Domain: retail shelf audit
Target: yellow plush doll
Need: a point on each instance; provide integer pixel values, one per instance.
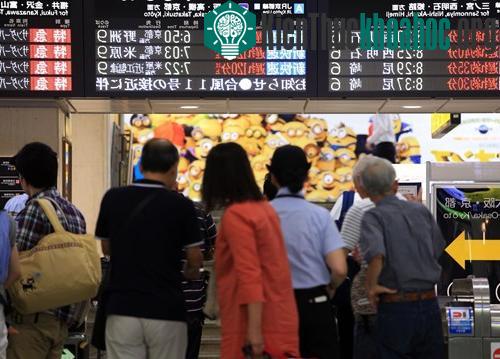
(203, 147)
(207, 128)
(294, 132)
(195, 170)
(318, 128)
(342, 137)
(345, 157)
(194, 192)
(326, 160)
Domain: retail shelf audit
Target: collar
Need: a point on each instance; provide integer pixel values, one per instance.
(284, 191)
(148, 183)
(49, 192)
(389, 199)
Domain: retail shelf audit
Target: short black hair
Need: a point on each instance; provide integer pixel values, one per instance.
(228, 177)
(159, 155)
(270, 190)
(290, 167)
(36, 162)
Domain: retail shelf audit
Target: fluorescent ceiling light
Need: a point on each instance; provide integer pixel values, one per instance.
(189, 107)
(411, 106)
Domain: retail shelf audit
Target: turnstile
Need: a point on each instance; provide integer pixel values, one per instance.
(471, 323)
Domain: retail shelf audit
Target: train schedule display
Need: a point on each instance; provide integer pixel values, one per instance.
(457, 71)
(41, 48)
(156, 48)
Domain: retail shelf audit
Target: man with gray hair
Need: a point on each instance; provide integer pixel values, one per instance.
(401, 242)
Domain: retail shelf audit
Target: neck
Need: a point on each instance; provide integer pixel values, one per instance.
(377, 198)
(31, 191)
(158, 177)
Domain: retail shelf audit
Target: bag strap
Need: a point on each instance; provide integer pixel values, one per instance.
(50, 212)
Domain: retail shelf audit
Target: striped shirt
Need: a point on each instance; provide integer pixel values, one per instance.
(351, 228)
(195, 290)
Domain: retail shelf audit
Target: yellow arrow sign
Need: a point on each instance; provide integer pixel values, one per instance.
(462, 250)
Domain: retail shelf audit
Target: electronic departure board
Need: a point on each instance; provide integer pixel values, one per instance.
(41, 48)
(457, 71)
(155, 48)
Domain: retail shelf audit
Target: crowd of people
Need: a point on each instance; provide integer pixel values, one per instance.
(279, 260)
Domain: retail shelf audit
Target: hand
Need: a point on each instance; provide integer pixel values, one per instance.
(256, 341)
(331, 288)
(375, 292)
(356, 254)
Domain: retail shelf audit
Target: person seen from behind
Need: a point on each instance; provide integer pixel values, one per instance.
(315, 253)
(145, 227)
(42, 335)
(401, 242)
(254, 287)
(10, 271)
(382, 140)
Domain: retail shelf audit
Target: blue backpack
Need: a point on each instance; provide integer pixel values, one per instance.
(5, 246)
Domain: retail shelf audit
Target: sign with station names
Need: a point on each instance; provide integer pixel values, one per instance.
(10, 185)
(156, 48)
(41, 48)
(455, 72)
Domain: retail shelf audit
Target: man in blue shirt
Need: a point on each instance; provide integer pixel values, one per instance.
(315, 253)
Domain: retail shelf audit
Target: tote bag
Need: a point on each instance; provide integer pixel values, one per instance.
(62, 269)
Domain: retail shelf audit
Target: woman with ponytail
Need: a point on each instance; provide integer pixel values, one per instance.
(315, 253)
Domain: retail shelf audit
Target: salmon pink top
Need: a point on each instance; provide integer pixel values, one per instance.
(252, 266)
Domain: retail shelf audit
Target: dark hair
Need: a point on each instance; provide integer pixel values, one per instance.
(37, 164)
(228, 177)
(290, 167)
(159, 155)
(270, 190)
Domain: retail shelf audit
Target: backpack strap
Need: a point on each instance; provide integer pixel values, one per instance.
(50, 212)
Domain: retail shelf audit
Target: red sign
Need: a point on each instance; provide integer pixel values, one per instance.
(42, 83)
(57, 52)
(57, 36)
(496, 354)
(50, 68)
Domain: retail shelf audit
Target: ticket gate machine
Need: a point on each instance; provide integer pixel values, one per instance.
(471, 323)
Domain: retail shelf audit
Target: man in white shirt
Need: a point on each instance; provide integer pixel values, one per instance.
(16, 204)
(382, 140)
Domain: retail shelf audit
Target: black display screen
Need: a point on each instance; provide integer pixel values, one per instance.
(457, 71)
(10, 184)
(41, 48)
(469, 218)
(156, 48)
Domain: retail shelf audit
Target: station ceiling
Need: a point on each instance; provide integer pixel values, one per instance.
(117, 106)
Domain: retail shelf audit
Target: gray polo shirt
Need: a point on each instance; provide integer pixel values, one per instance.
(408, 237)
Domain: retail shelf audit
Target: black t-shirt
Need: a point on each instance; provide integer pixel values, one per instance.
(146, 249)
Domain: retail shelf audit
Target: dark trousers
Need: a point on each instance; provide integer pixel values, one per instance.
(365, 337)
(410, 330)
(195, 328)
(385, 150)
(317, 329)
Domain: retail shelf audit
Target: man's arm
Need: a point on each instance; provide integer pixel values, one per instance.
(194, 261)
(373, 273)
(14, 268)
(373, 248)
(336, 261)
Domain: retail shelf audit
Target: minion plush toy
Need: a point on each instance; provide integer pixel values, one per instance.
(318, 128)
(259, 168)
(342, 136)
(194, 191)
(326, 160)
(273, 141)
(345, 157)
(195, 171)
(140, 121)
(255, 139)
(408, 150)
(203, 147)
(294, 132)
(343, 180)
(207, 127)
(325, 188)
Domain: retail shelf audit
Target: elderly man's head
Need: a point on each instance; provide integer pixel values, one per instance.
(374, 177)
